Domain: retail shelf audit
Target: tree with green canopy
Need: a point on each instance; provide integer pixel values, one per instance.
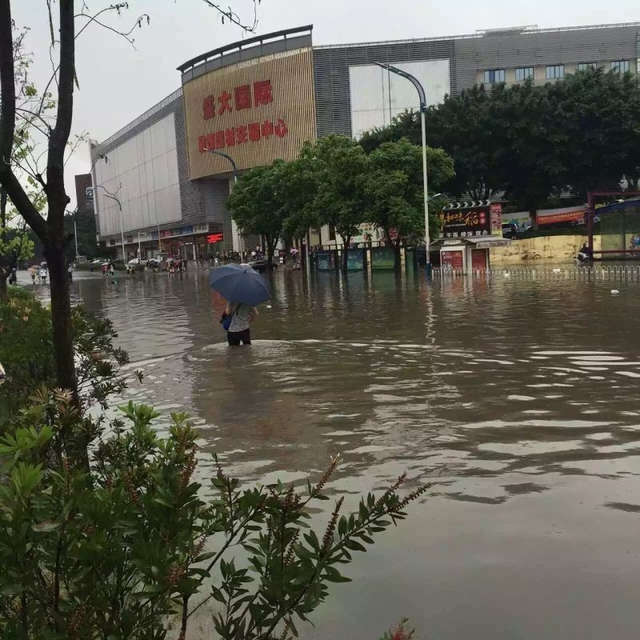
(598, 117)
(532, 142)
(395, 193)
(258, 204)
(341, 167)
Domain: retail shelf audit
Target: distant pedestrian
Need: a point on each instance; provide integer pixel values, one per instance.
(70, 272)
(34, 275)
(242, 315)
(13, 276)
(43, 274)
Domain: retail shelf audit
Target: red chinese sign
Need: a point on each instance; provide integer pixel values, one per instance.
(495, 210)
(255, 112)
(241, 98)
(213, 238)
(464, 220)
(252, 132)
(262, 95)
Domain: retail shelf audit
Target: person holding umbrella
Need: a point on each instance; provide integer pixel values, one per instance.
(244, 289)
(241, 316)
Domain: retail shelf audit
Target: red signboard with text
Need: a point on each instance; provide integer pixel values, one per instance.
(214, 238)
(451, 259)
(255, 112)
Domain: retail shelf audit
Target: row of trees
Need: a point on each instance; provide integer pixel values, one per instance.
(533, 142)
(335, 182)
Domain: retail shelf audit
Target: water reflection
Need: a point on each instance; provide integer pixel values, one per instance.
(517, 400)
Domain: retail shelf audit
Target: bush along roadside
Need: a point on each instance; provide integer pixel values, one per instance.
(26, 353)
(132, 548)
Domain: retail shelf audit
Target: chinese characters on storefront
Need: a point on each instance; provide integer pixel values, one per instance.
(255, 112)
(460, 220)
(215, 107)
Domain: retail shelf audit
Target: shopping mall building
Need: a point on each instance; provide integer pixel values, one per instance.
(162, 182)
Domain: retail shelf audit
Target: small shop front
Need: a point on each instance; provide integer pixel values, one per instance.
(469, 232)
(192, 242)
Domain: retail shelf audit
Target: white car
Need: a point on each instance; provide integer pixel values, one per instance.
(135, 262)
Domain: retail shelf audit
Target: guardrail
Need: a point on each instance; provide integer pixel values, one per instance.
(610, 272)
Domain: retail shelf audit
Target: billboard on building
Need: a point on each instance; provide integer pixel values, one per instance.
(462, 219)
(255, 111)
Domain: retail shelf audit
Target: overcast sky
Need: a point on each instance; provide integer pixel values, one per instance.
(118, 83)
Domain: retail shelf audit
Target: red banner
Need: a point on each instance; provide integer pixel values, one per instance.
(566, 216)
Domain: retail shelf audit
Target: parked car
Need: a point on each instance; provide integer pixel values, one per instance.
(136, 262)
(510, 230)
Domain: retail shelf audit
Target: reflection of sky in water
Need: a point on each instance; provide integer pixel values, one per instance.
(517, 400)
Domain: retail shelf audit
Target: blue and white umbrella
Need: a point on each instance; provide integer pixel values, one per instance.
(239, 283)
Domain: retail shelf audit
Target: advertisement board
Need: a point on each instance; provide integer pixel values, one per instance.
(255, 112)
(355, 260)
(383, 258)
(465, 221)
(495, 212)
(326, 260)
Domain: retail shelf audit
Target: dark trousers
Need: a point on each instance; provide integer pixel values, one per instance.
(235, 337)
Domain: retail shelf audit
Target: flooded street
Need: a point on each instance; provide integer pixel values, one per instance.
(517, 400)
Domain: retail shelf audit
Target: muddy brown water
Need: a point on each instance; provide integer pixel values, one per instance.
(518, 400)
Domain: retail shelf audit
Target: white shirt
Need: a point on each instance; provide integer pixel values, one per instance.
(240, 319)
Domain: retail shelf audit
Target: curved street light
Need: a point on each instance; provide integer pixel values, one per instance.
(423, 111)
(226, 156)
(112, 196)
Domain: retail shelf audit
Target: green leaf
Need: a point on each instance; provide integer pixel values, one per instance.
(354, 545)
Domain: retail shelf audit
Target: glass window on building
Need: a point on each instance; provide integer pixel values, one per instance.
(494, 76)
(620, 66)
(524, 73)
(586, 66)
(555, 71)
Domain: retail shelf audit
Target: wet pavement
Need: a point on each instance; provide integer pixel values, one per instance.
(517, 400)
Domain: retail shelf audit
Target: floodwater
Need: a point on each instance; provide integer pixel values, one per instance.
(517, 401)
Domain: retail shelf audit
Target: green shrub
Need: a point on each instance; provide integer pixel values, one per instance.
(26, 352)
(133, 548)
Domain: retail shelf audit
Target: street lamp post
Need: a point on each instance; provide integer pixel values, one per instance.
(235, 176)
(423, 113)
(94, 180)
(75, 231)
(110, 195)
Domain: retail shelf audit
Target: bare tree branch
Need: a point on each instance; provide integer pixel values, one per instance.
(31, 121)
(90, 20)
(233, 17)
(8, 124)
(60, 134)
(73, 146)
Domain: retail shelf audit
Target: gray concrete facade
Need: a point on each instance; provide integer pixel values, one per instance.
(201, 201)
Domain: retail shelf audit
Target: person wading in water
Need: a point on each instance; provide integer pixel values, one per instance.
(242, 315)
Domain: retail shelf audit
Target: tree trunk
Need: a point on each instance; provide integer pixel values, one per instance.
(346, 241)
(269, 246)
(3, 286)
(397, 260)
(61, 319)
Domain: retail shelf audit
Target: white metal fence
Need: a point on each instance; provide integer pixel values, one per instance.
(566, 272)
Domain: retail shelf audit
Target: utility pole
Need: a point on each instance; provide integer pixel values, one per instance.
(423, 123)
(111, 196)
(226, 156)
(75, 231)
